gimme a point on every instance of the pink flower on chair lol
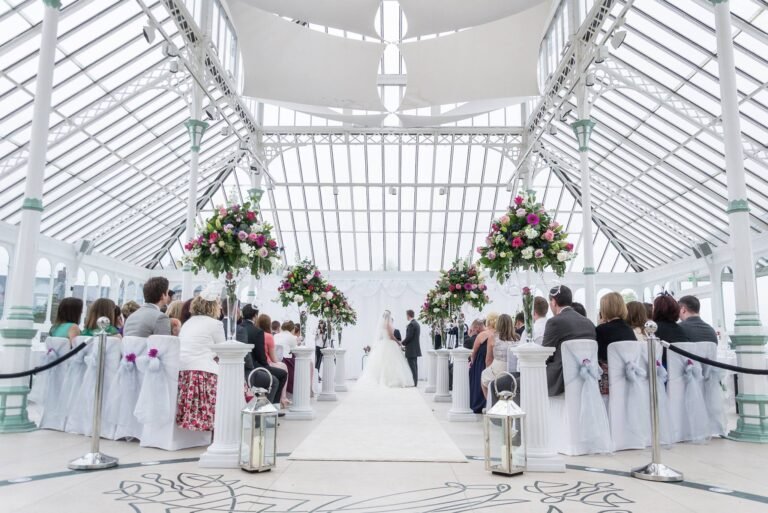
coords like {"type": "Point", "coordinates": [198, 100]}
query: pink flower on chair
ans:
{"type": "Point", "coordinates": [152, 353]}
{"type": "Point", "coordinates": [131, 357]}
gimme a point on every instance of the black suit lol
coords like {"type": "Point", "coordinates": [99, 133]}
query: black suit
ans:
{"type": "Point", "coordinates": [412, 344]}
{"type": "Point", "coordinates": [255, 336]}
{"type": "Point", "coordinates": [567, 325]}
{"type": "Point", "coordinates": [469, 342]}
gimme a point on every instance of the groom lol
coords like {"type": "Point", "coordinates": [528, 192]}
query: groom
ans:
{"type": "Point", "coordinates": [412, 345]}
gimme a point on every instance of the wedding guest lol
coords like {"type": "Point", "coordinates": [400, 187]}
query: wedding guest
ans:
{"type": "Point", "coordinates": [579, 309]}
{"type": "Point", "coordinates": [666, 313]}
{"type": "Point", "coordinates": [520, 324]}
{"type": "Point", "coordinates": [498, 350]}
{"type": "Point", "coordinates": [567, 324]}
{"type": "Point", "coordinates": [285, 338]}
{"type": "Point", "coordinates": [149, 320]}
{"type": "Point", "coordinates": [648, 310]}
{"type": "Point", "coordinates": [198, 369]}
{"type": "Point", "coordinates": [102, 307]}
{"type": "Point", "coordinates": [128, 308]}
{"type": "Point", "coordinates": [275, 327]}
{"type": "Point", "coordinates": [255, 337]}
{"type": "Point", "coordinates": [174, 312]}
{"type": "Point", "coordinates": [477, 327]}
{"type": "Point", "coordinates": [264, 322]}
{"type": "Point", "coordinates": [540, 309]}
{"type": "Point", "coordinates": [613, 329]}
{"type": "Point", "coordinates": [692, 324]}
{"type": "Point", "coordinates": [478, 363]}
{"type": "Point", "coordinates": [119, 320]}
{"type": "Point", "coordinates": [297, 333]}
{"type": "Point", "coordinates": [68, 315]}
{"type": "Point", "coordinates": [185, 313]}
{"type": "Point", "coordinates": [321, 339]}
{"type": "Point", "coordinates": [636, 318]}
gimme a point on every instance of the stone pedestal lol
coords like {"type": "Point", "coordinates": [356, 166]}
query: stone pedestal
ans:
{"type": "Point", "coordinates": [534, 400]}
{"type": "Point", "coordinates": [341, 372]}
{"type": "Point", "coordinates": [301, 409]}
{"type": "Point", "coordinates": [328, 390]}
{"type": "Point", "coordinates": [224, 452]}
{"type": "Point", "coordinates": [460, 410]}
{"type": "Point", "coordinates": [442, 394]}
{"type": "Point", "coordinates": [431, 371]}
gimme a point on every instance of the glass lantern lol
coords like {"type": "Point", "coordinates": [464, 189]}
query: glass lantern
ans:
{"type": "Point", "coordinates": [258, 443]}
{"type": "Point", "coordinates": [504, 424]}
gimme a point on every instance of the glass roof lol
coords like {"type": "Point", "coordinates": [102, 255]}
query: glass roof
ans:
{"type": "Point", "coordinates": [380, 198]}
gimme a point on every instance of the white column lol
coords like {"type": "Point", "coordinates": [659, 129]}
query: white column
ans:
{"type": "Point", "coordinates": [301, 409]}
{"type": "Point", "coordinates": [17, 329]}
{"type": "Point", "coordinates": [328, 390]}
{"type": "Point", "coordinates": [749, 337]}
{"type": "Point", "coordinates": [224, 452]}
{"type": "Point", "coordinates": [534, 400]}
{"type": "Point", "coordinates": [583, 129]}
{"type": "Point", "coordinates": [341, 372]}
{"type": "Point", "coordinates": [460, 410]}
{"type": "Point", "coordinates": [196, 130]}
{"type": "Point", "coordinates": [431, 371]}
{"type": "Point", "coordinates": [442, 395]}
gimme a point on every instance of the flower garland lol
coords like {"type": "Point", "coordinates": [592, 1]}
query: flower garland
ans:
{"type": "Point", "coordinates": [233, 239]}
{"type": "Point", "coordinates": [462, 284]}
{"type": "Point", "coordinates": [526, 237]}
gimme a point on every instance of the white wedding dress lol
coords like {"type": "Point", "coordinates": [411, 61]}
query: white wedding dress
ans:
{"type": "Point", "coordinates": [386, 365]}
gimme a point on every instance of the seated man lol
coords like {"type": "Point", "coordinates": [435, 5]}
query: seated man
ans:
{"type": "Point", "coordinates": [149, 320]}
{"type": "Point", "coordinates": [692, 324]}
{"type": "Point", "coordinates": [565, 325]}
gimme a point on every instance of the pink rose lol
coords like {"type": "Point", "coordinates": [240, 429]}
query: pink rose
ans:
{"type": "Point", "coordinates": [517, 242]}
{"type": "Point", "coordinates": [259, 240]}
{"type": "Point", "coordinates": [250, 215]}
{"type": "Point", "coordinates": [519, 200]}
{"type": "Point", "coordinates": [549, 235]}
{"type": "Point", "coordinates": [242, 235]}
{"type": "Point", "coordinates": [569, 247]}
{"type": "Point", "coordinates": [272, 243]}
{"type": "Point", "coordinates": [491, 255]}
{"type": "Point", "coordinates": [480, 249]}
{"type": "Point", "coordinates": [504, 219]}
{"type": "Point", "coordinates": [539, 253]}
{"type": "Point", "coordinates": [554, 225]}
{"type": "Point", "coordinates": [222, 211]}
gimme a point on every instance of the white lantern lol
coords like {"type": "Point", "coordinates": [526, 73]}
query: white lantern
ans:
{"type": "Point", "coordinates": [504, 424]}
{"type": "Point", "coordinates": [258, 443]}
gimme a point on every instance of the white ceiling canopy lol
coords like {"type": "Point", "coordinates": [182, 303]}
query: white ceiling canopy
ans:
{"type": "Point", "coordinates": [326, 113]}
{"type": "Point", "coordinates": [495, 60]}
{"type": "Point", "coordinates": [285, 61]}
{"type": "Point", "coordinates": [435, 16]}
{"type": "Point", "coordinates": [465, 111]}
{"type": "Point", "coordinates": [355, 16]}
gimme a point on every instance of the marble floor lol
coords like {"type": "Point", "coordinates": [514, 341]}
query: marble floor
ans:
{"type": "Point", "coordinates": [720, 476]}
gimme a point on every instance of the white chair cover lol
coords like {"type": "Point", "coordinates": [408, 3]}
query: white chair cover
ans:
{"type": "Point", "coordinates": [156, 406]}
{"type": "Point", "coordinates": [667, 433]}
{"type": "Point", "coordinates": [714, 389]}
{"type": "Point", "coordinates": [686, 395]}
{"type": "Point", "coordinates": [629, 396]}
{"type": "Point", "coordinates": [38, 356]}
{"type": "Point", "coordinates": [82, 413]}
{"type": "Point", "coordinates": [579, 421]}
{"type": "Point", "coordinates": [73, 382]}
{"type": "Point", "coordinates": [54, 414]}
{"type": "Point", "coordinates": [124, 392]}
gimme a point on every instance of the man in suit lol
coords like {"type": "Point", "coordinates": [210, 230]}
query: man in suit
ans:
{"type": "Point", "coordinates": [412, 344]}
{"type": "Point", "coordinates": [149, 320]}
{"type": "Point", "coordinates": [566, 324]}
{"type": "Point", "coordinates": [693, 326]}
{"type": "Point", "coordinates": [255, 336]}
{"type": "Point", "coordinates": [477, 327]}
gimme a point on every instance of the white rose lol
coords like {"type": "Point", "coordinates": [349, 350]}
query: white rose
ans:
{"type": "Point", "coordinates": [562, 256]}
{"type": "Point", "coordinates": [245, 248]}
{"type": "Point", "coordinates": [520, 212]}
{"type": "Point", "coordinates": [298, 298]}
{"type": "Point", "coordinates": [527, 253]}
{"type": "Point", "coordinates": [503, 255]}
{"type": "Point", "coordinates": [500, 238]}
{"type": "Point", "coordinates": [315, 297]}
{"type": "Point", "coordinates": [531, 233]}
{"type": "Point", "coordinates": [436, 310]}
{"type": "Point", "coordinates": [263, 252]}
{"type": "Point", "coordinates": [473, 295]}
{"type": "Point", "coordinates": [329, 295]}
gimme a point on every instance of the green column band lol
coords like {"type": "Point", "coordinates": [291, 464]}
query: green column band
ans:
{"type": "Point", "coordinates": [54, 4]}
{"type": "Point", "coordinates": [196, 130]}
{"type": "Point", "coordinates": [588, 270]}
{"type": "Point", "coordinates": [583, 129]}
{"type": "Point", "coordinates": [32, 204]}
{"type": "Point", "coordinates": [256, 194]}
{"type": "Point", "coordinates": [740, 205]}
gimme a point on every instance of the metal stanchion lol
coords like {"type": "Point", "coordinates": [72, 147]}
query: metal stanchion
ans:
{"type": "Point", "coordinates": [655, 470]}
{"type": "Point", "coordinates": [95, 460]}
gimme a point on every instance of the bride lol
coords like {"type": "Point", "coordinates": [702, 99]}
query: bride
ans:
{"type": "Point", "coordinates": [386, 365]}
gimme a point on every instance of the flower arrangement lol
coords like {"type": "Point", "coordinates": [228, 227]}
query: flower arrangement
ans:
{"type": "Point", "coordinates": [233, 239]}
{"type": "Point", "coordinates": [526, 237]}
{"type": "Point", "coordinates": [304, 285]}
{"type": "Point", "coordinates": [462, 284]}
{"type": "Point", "coordinates": [336, 309]}
{"type": "Point", "coordinates": [434, 312]}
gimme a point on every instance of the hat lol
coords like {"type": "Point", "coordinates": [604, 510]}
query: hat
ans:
{"type": "Point", "coordinates": [212, 291]}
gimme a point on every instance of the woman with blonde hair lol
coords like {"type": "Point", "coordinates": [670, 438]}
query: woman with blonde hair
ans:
{"type": "Point", "coordinates": [174, 313]}
{"type": "Point", "coordinates": [498, 348]}
{"type": "Point", "coordinates": [614, 328]}
{"type": "Point", "coordinates": [198, 369]}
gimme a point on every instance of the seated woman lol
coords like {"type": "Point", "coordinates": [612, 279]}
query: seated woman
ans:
{"type": "Point", "coordinates": [264, 322]}
{"type": "Point", "coordinates": [636, 318]}
{"type": "Point", "coordinates": [614, 328]}
{"type": "Point", "coordinates": [102, 307]}
{"type": "Point", "coordinates": [198, 369]}
{"type": "Point", "coordinates": [498, 348]}
{"type": "Point", "coordinates": [286, 341]}
{"type": "Point", "coordinates": [174, 312]}
{"type": "Point", "coordinates": [67, 319]}
{"type": "Point", "coordinates": [477, 366]}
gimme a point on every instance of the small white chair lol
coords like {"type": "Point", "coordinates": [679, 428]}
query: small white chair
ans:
{"type": "Point", "coordinates": [628, 400]}
{"type": "Point", "coordinates": [54, 408]}
{"type": "Point", "coordinates": [156, 405]}
{"type": "Point", "coordinates": [578, 420]}
{"type": "Point", "coordinates": [73, 382]}
{"type": "Point", "coordinates": [714, 394]}
{"type": "Point", "coordinates": [125, 388]}
{"type": "Point", "coordinates": [686, 395]}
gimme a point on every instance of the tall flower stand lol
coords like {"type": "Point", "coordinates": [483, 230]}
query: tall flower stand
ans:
{"type": "Point", "coordinates": [460, 410]}
{"type": "Point", "coordinates": [431, 371]}
{"type": "Point", "coordinates": [328, 391]}
{"type": "Point", "coordinates": [534, 400]}
{"type": "Point", "coordinates": [224, 452]}
{"type": "Point", "coordinates": [301, 409]}
{"type": "Point", "coordinates": [341, 372]}
{"type": "Point", "coordinates": [442, 394]}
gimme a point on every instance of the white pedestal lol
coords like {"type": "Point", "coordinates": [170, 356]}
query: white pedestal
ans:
{"type": "Point", "coordinates": [534, 400]}
{"type": "Point", "coordinates": [442, 394]}
{"type": "Point", "coordinates": [460, 410]}
{"type": "Point", "coordinates": [301, 409]}
{"type": "Point", "coordinates": [341, 371]}
{"type": "Point", "coordinates": [328, 391]}
{"type": "Point", "coordinates": [431, 371]}
{"type": "Point", "coordinates": [224, 452]}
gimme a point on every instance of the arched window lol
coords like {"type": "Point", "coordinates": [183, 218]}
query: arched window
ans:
{"type": "Point", "coordinates": [130, 291]}
{"type": "Point", "coordinates": [42, 289]}
{"type": "Point", "coordinates": [121, 292]}
{"type": "Point", "coordinates": [92, 289]}
{"type": "Point", "coordinates": [79, 289]}
{"type": "Point", "coordinates": [106, 285]}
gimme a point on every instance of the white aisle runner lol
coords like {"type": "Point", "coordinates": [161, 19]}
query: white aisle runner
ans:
{"type": "Point", "coordinates": [380, 424]}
